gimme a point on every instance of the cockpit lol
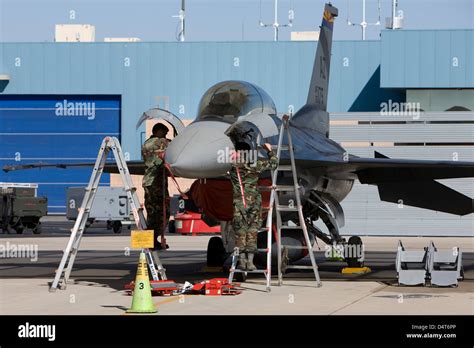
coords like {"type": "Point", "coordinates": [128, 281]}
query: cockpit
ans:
{"type": "Point", "coordinates": [229, 100]}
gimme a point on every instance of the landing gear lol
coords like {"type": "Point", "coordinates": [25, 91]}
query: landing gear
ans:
{"type": "Point", "coordinates": [330, 212]}
{"type": "Point", "coordinates": [216, 254]}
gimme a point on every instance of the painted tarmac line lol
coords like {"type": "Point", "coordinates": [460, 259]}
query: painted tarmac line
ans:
{"type": "Point", "coordinates": [158, 304]}
{"type": "Point", "coordinates": [377, 289]}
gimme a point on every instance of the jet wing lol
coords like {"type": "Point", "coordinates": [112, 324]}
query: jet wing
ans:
{"type": "Point", "coordinates": [409, 182]}
{"type": "Point", "coordinates": [383, 169]}
{"type": "Point", "coordinates": [134, 167]}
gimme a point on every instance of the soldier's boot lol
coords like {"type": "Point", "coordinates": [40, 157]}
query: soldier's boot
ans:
{"type": "Point", "coordinates": [242, 264]}
{"type": "Point", "coordinates": [250, 265]}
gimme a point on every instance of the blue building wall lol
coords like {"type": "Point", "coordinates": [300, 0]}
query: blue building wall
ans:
{"type": "Point", "coordinates": [139, 72]}
{"type": "Point", "coordinates": [183, 71]}
{"type": "Point", "coordinates": [427, 59]}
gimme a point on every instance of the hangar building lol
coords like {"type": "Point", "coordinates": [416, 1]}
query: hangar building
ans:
{"type": "Point", "coordinates": [408, 95]}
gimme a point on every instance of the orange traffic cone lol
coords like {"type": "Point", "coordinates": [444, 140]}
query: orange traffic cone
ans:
{"type": "Point", "coordinates": [142, 302]}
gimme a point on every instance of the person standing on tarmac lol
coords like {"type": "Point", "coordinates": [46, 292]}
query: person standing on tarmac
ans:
{"type": "Point", "coordinates": [247, 201]}
{"type": "Point", "coordinates": [155, 183]}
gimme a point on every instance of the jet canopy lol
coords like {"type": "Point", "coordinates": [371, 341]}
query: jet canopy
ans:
{"type": "Point", "coordinates": [228, 100]}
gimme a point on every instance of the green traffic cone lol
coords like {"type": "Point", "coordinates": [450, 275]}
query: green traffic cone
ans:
{"type": "Point", "coordinates": [142, 301]}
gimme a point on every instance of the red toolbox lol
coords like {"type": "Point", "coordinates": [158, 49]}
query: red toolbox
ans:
{"type": "Point", "coordinates": [191, 223]}
{"type": "Point", "coordinates": [216, 287]}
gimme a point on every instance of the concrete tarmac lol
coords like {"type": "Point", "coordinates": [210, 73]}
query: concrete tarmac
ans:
{"type": "Point", "coordinates": [104, 264]}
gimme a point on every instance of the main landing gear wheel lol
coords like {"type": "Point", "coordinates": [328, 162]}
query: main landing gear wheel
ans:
{"type": "Point", "coordinates": [354, 248]}
{"type": "Point", "coordinates": [216, 253]}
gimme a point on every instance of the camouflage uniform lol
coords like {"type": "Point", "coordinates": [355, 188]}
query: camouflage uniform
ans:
{"type": "Point", "coordinates": [155, 185]}
{"type": "Point", "coordinates": [248, 201]}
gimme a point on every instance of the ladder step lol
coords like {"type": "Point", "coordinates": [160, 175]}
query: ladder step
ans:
{"type": "Point", "coordinates": [242, 271]}
{"type": "Point", "coordinates": [285, 188]}
{"type": "Point", "coordinates": [285, 208]}
{"type": "Point", "coordinates": [283, 227]}
{"type": "Point", "coordinates": [282, 147]}
{"type": "Point", "coordinates": [264, 188]}
{"type": "Point", "coordinates": [299, 267]}
{"type": "Point", "coordinates": [284, 168]}
{"type": "Point", "coordinates": [277, 188]}
{"type": "Point", "coordinates": [295, 247]}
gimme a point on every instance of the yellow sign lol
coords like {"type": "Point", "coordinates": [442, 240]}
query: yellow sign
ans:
{"type": "Point", "coordinates": [141, 239]}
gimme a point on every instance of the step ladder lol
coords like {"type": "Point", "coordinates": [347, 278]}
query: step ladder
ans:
{"type": "Point", "coordinates": [65, 267]}
{"type": "Point", "coordinates": [301, 225]}
{"type": "Point", "coordinates": [274, 204]}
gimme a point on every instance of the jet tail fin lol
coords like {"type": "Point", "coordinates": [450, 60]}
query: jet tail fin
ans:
{"type": "Point", "coordinates": [318, 90]}
{"type": "Point", "coordinates": [314, 113]}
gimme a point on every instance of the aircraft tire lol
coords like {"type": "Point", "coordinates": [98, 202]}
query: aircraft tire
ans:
{"type": "Point", "coordinates": [353, 262]}
{"type": "Point", "coordinates": [216, 254]}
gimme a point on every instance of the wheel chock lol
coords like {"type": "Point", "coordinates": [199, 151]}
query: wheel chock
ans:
{"type": "Point", "coordinates": [356, 270]}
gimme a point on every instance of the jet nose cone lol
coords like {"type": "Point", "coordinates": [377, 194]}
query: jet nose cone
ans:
{"type": "Point", "coordinates": [199, 151]}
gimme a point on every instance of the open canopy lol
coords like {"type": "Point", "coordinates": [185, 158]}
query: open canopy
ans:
{"type": "Point", "coordinates": [228, 100]}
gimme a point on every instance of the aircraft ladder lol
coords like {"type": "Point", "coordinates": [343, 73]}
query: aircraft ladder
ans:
{"type": "Point", "coordinates": [108, 144]}
{"type": "Point", "coordinates": [274, 204]}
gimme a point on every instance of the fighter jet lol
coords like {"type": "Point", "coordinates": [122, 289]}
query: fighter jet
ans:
{"type": "Point", "coordinates": [326, 171]}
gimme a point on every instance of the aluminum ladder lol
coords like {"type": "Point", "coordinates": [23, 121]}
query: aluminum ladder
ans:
{"type": "Point", "coordinates": [65, 267]}
{"type": "Point", "coordinates": [290, 208]}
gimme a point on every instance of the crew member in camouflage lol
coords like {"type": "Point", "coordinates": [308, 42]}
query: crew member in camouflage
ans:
{"type": "Point", "coordinates": [248, 201]}
{"type": "Point", "coordinates": [155, 183]}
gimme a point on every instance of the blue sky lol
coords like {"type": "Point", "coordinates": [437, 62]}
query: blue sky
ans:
{"type": "Point", "coordinates": [215, 20]}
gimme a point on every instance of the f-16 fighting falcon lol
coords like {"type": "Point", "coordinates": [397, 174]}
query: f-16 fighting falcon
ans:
{"type": "Point", "coordinates": [326, 171]}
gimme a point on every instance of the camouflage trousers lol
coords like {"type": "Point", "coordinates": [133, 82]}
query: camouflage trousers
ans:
{"type": "Point", "coordinates": [155, 209]}
{"type": "Point", "coordinates": [246, 223]}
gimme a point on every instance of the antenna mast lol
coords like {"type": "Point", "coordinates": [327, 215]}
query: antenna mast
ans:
{"type": "Point", "coordinates": [276, 26]}
{"type": "Point", "coordinates": [364, 23]}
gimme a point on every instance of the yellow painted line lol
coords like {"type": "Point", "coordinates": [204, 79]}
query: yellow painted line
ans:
{"type": "Point", "coordinates": [157, 304]}
{"type": "Point", "coordinates": [169, 300]}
